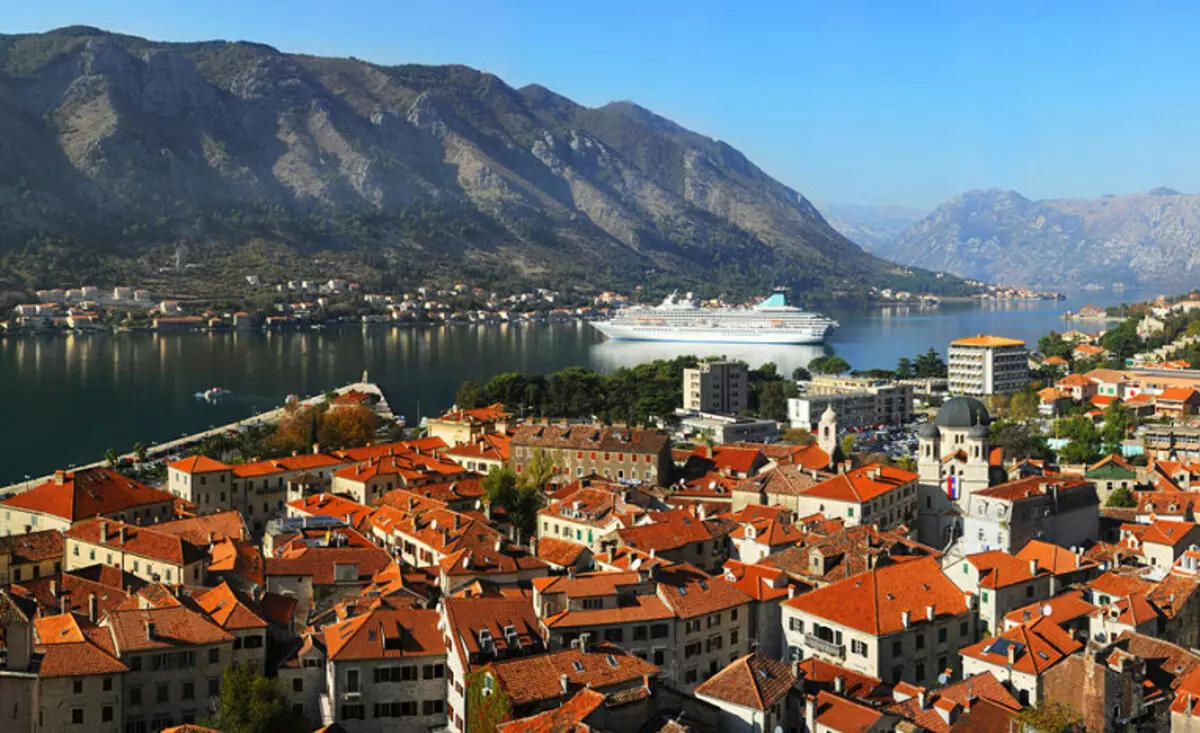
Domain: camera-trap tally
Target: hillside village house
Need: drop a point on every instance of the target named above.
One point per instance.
(367, 482)
(751, 693)
(30, 556)
(459, 427)
(615, 453)
(1064, 511)
(585, 516)
(386, 671)
(1001, 582)
(143, 552)
(1020, 656)
(901, 623)
(72, 496)
(80, 683)
(881, 495)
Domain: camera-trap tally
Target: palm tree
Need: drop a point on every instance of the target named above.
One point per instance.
(139, 451)
(111, 457)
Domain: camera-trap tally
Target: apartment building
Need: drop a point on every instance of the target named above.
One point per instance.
(1020, 656)
(175, 657)
(385, 670)
(368, 481)
(1057, 509)
(876, 494)
(616, 453)
(80, 683)
(677, 618)
(716, 386)
(900, 623)
(30, 556)
(858, 402)
(466, 426)
(143, 552)
(1001, 582)
(987, 365)
(71, 496)
(586, 515)
(202, 481)
(679, 535)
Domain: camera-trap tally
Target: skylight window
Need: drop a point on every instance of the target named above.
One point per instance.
(577, 665)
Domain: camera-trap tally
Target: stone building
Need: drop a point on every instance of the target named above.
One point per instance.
(616, 453)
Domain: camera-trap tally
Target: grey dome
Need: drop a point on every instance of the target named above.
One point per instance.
(928, 431)
(962, 412)
(977, 431)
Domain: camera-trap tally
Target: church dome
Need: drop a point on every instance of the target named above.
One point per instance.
(962, 412)
(927, 431)
(979, 432)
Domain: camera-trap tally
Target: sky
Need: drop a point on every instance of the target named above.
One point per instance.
(896, 103)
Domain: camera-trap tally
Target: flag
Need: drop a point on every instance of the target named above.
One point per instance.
(953, 487)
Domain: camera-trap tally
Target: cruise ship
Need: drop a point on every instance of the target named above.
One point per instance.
(772, 321)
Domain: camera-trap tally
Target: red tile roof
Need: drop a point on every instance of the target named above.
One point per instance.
(199, 464)
(962, 695)
(86, 493)
(229, 557)
(874, 601)
(320, 563)
(751, 681)
(145, 541)
(862, 484)
(1039, 645)
(70, 651)
(208, 528)
(385, 634)
(1064, 607)
(568, 718)
(819, 674)
(998, 569)
(538, 678)
(591, 437)
(331, 505)
(559, 552)
(466, 617)
(1054, 559)
(845, 716)
(33, 547)
(173, 627)
(673, 529)
(229, 609)
(760, 582)
(1030, 486)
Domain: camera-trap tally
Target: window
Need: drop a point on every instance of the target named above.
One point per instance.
(77, 716)
(858, 647)
(433, 707)
(920, 641)
(897, 648)
(135, 696)
(298, 684)
(660, 631)
(689, 676)
(984, 596)
(733, 637)
(189, 690)
(162, 692)
(352, 680)
(796, 624)
(77, 686)
(214, 687)
(962, 627)
(214, 656)
(614, 635)
(433, 672)
(106, 684)
(942, 635)
(897, 673)
(106, 714)
(691, 650)
(733, 614)
(354, 712)
(919, 671)
(640, 633)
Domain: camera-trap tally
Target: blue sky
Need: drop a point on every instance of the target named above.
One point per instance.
(852, 102)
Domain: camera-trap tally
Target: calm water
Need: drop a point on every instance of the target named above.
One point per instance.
(64, 400)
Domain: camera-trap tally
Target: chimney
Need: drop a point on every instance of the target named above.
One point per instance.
(921, 698)
(92, 607)
(701, 512)
(150, 634)
(810, 712)
(499, 542)
(571, 572)
(904, 618)
(1033, 568)
(60, 477)
(210, 538)
(121, 532)
(53, 588)
(652, 555)
(316, 448)
(839, 684)
(929, 612)
(791, 591)
(103, 531)
(708, 451)
(1012, 654)
(563, 683)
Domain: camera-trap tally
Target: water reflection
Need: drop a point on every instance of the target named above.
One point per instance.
(609, 355)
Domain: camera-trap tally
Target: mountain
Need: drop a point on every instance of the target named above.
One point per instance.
(119, 154)
(1150, 239)
(872, 227)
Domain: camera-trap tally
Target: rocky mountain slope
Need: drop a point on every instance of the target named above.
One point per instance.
(114, 150)
(872, 227)
(1148, 238)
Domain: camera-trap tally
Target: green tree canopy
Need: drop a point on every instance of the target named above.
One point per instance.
(1053, 344)
(1121, 497)
(829, 365)
(930, 365)
(252, 703)
(469, 396)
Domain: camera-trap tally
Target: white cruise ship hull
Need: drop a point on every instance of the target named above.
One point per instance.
(711, 335)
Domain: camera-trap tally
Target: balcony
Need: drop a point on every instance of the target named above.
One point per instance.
(828, 648)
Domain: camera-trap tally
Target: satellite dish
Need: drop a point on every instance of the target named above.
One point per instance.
(1047, 610)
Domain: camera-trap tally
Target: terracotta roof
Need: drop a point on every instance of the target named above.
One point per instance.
(475, 416)
(862, 484)
(591, 437)
(33, 547)
(1063, 607)
(1054, 559)
(987, 341)
(199, 464)
(204, 529)
(1037, 646)
(237, 558)
(407, 467)
(86, 493)
(594, 506)
(1032, 486)
(489, 446)
(690, 592)
(385, 634)
(750, 681)
(847, 551)
(998, 569)
(1176, 394)
(70, 591)
(69, 650)
(229, 609)
(559, 552)
(672, 529)
(1162, 532)
(760, 582)
(568, 718)
(538, 678)
(820, 675)
(145, 541)
(874, 601)
(420, 445)
(488, 560)
(466, 617)
(173, 627)
(452, 491)
(845, 716)
(784, 480)
(320, 563)
(961, 695)
(331, 505)
(1119, 584)
(731, 458)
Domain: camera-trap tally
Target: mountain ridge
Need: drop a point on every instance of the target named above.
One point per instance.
(115, 151)
(1150, 239)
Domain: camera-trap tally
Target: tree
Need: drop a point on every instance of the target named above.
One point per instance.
(350, 426)
(1023, 406)
(1083, 440)
(1122, 342)
(252, 703)
(1017, 441)
(930, 365)
(139, 452)
(772, 399)
(1053, 344)
(847, 445)
(829, 365)
(1116, 427)
(800, 374)
(797, 436)
(1049, 717)
(501, 486)
(469, 396)
(1121, 497)
(904, 368)
(111, 457)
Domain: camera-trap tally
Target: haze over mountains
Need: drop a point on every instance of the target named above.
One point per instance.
(114, 149)
(1148, 239)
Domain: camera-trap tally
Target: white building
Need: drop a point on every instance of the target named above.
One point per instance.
(986, 365)
(716, 386)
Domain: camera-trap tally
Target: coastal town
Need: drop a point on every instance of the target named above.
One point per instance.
(1006, 539)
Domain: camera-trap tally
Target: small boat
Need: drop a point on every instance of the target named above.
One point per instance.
(212, 394)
